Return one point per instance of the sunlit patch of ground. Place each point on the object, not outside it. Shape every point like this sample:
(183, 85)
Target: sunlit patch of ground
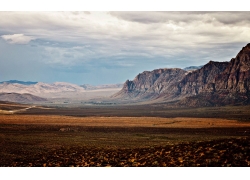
(179, 122)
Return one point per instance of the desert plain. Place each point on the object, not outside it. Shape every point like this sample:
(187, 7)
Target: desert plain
(133, 136)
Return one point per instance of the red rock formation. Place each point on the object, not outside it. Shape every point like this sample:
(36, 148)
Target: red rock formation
(216, 83)
(150, 84)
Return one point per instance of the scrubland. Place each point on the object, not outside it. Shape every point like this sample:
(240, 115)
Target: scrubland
(109, 136)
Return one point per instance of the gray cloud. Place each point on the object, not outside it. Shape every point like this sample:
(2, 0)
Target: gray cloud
(92, 43)
(17, 38)
(224, 17)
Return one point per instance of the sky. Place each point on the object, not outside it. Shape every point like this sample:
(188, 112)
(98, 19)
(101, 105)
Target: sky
(109, 47)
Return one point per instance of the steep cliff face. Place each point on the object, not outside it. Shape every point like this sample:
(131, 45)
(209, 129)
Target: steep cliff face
(150, 84)
(236, 77)
(233, 84)
(229, 87)
(201, 80)
(216, 83)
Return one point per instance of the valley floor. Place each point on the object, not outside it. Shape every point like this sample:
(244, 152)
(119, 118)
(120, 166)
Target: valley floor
(53, 140)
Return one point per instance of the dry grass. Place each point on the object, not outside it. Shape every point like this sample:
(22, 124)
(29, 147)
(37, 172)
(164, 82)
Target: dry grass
(178, 122)
(37, 140)
(124, 136)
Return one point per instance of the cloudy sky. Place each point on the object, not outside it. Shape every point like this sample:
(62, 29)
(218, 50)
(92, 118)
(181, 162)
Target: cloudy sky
(110, 47)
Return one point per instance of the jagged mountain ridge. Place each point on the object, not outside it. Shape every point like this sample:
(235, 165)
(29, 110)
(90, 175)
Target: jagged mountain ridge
(200, 80)
(150, 84)
(216, 83)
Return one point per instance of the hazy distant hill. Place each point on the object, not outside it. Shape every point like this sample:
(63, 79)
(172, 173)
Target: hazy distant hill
(19, 82)
(40, 88)
(192, 68)
(20, 98)
(216, 83)
(103, 86)
(59, 91)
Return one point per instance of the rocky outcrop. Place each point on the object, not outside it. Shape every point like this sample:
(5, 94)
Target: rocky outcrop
(150, 84)
(236, 77)
(201, 80)
(216, 83)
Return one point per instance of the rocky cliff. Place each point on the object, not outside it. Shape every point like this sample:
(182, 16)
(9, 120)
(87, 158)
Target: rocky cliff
(150, 84)
(201, 80)
(216, 83)
(236, 77)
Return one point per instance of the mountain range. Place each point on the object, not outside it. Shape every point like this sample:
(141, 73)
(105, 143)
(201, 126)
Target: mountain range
(26, 92)
(215, 83)
(212, 84)
(39, 88)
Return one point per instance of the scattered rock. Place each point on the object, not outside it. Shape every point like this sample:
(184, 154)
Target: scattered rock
(216, 153)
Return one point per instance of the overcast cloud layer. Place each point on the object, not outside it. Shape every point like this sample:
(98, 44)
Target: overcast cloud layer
(111, 47)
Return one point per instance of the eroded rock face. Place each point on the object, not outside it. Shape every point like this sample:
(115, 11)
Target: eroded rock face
(216, 83)
(150, 84)
(236, 77)
(201, 80)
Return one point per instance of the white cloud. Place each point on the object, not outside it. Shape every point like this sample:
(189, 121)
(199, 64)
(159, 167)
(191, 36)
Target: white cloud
(17, 38)
(125, 35)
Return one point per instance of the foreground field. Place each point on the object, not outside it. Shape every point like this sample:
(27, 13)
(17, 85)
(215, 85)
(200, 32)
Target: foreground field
(52, 140)
(216, 153)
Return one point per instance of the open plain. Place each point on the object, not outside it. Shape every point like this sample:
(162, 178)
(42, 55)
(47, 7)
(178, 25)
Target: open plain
(124, 136)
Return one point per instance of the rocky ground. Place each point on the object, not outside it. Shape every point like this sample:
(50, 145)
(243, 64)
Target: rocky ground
(215, 153)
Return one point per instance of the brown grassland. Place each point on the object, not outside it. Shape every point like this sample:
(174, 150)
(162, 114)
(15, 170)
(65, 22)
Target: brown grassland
(124, 136)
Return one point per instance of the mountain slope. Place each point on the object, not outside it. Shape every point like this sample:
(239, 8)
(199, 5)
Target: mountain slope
(21, 98)
(235, 78)
(200, 80)
(216, 83)
(150, 84)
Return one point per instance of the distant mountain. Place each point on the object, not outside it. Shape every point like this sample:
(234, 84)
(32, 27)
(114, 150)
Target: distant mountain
(192, 68)
(59, 90)
(19, 82)
(216, 83)
(40, 88)
(20, 98)
(104, 86)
